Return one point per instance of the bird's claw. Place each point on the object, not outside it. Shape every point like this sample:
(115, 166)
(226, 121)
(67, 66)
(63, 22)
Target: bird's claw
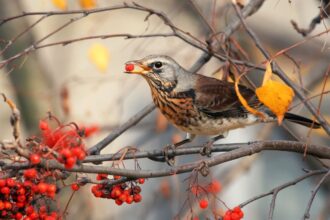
(170, 160)
(207, 149)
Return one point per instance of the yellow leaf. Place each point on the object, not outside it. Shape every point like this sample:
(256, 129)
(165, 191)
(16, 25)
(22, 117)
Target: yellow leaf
(61, 4)
(276, 96)
(244, 102)
(87, 4)
(99, 56)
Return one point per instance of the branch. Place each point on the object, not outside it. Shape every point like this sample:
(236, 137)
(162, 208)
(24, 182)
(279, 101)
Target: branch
(315, 190)
(277, 189)
(241, 150)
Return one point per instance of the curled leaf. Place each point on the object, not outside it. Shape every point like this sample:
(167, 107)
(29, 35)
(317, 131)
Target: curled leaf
(244, 102)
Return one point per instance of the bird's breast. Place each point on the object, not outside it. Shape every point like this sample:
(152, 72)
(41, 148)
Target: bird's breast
(182, 112)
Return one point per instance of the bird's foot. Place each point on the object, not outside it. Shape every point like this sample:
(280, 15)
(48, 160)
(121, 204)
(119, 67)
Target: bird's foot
(207, 149)
(170, 159)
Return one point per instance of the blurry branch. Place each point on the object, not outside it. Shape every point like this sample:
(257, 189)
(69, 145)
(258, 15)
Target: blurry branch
(185, 36)
(276, 69)
(236, 151)
(324, 13)
(315, 190)
(274, 192)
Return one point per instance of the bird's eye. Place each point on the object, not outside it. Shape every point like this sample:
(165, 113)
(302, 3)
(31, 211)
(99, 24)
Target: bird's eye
(158, 65)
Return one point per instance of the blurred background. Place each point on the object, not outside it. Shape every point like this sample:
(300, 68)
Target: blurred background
(72, 83)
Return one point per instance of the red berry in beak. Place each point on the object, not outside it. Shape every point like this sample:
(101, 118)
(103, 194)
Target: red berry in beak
(129, 67)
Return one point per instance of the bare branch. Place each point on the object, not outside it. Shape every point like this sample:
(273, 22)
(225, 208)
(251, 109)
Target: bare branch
(315, 190)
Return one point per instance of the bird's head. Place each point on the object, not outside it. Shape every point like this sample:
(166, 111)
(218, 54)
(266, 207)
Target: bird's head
(156, 68)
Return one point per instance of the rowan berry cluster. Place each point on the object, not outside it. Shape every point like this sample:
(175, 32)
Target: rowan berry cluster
(63, 143)
(25, 198)
(128, 192)
(234, 214)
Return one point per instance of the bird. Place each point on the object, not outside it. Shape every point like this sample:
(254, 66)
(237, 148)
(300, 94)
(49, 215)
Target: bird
(198, 104)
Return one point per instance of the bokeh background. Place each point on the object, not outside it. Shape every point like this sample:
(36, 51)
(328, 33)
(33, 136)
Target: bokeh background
(57, 76)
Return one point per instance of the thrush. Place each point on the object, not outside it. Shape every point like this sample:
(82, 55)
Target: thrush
(201, 105)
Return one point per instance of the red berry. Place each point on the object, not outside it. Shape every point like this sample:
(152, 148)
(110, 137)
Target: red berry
(43, 209)
(203, 203)
(29, 210)
(21, 191)
(35, 159)
(21, 198)
(20, 204)
(238, 211)
(2, 205)
(30, 173)
(75, 187)
(123, 197)
(115, 193)
(214, 186)
(27, 184)
(51, 188)
(5, 190)
(81, 155)
(129, 67)
(118, 202)
(42, 187)
(2, 183)
(91, 130)
(101, 176)
(18, 216)
(66, 153)
(137, 198)
(10, 182)
(234, 216)
(226, 217)
(141, 180)
(43, 125)
(34, 215)
(129, 199)
(8, 205)
(70, 162)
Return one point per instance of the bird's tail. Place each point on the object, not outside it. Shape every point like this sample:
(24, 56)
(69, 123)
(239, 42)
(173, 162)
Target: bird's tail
(301, 120)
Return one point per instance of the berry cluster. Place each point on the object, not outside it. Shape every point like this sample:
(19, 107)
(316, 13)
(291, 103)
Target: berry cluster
(234, 214)
(26, 199)
(63, 143)
(124, 192)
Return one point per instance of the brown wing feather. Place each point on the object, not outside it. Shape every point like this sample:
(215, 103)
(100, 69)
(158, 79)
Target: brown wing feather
(216, 96)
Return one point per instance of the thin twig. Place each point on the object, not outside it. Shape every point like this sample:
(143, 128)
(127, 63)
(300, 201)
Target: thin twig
(315, 190)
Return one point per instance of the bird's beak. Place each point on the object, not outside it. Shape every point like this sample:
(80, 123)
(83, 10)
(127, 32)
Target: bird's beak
(136, 67)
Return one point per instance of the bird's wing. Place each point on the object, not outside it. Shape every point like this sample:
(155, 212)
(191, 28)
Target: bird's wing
(218, 98)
